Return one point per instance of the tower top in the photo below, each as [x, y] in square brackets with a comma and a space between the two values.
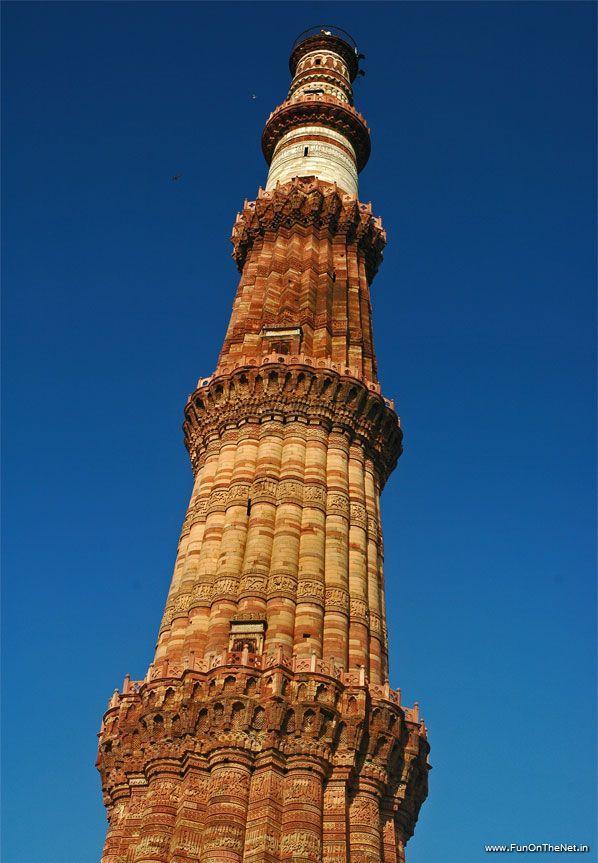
[326, 37]
[316, 131]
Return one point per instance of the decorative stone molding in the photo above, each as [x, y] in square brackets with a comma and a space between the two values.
[358, 515]
[310, 591]
[152, 730]
[309, 203]
[315, 496]
[329, 78]
[315, 395]
[225, 588]
[337, 503]
[280, 584]
[337, 599]
[302, 359]
[359, 610]
[253, 584]
[289, 491]
[329, 43]
[320, 110]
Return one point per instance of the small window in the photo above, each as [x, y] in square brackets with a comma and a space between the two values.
[239, 645]
[318, 61]
[305, 151]
[247, 634]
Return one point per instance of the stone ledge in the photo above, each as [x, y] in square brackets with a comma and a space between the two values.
[321, 110]
[309, 203]
[290, 708]
[293, 392]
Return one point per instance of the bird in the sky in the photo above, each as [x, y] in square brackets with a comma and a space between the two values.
[176, 176]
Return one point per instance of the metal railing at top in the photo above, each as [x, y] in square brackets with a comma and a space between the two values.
[327, 30]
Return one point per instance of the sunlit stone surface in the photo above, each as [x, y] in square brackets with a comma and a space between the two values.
[265, 729]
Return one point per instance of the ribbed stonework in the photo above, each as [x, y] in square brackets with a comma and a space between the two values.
[265, 729]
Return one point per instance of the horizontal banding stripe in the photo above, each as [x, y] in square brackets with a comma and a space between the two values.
[312, 138]
[306, 135]
[321, 74]
[322, 111]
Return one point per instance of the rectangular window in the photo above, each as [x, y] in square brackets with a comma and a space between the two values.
[306, 151]
[247, 632]
[282, 340]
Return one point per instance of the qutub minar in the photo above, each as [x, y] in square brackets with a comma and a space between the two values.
[265, 729]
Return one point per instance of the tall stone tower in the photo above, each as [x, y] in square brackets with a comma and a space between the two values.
[265, 730]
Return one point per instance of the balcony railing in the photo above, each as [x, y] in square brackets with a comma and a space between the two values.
[326, 30]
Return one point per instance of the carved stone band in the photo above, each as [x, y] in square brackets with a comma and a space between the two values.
[316, 395]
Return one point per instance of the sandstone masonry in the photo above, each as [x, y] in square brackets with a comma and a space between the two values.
[265, 729]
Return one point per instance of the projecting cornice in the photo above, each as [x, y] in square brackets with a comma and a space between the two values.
[305, 203]
[322, 110]
[232, 710]
[326, 41]
[318, 396]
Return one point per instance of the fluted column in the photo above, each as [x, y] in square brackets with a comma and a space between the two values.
[355, 336]
[401, 842]
[282, 579]
[133, 819]
[179, 641]
[262, 835]
[158, 818]
[224, 587]
[200, 585]
[309, 616]
[302, 813]
[339, 313]
[226, 816]
[358, 575]
[336, 615]
[116, 838]
[381, 591]
[262, 517]
[186, 531]
[367, 336]
[364, 821]
[232, 545]
[335, 845]
[391, 841]
[189, 545]
[200, 564]
[190, 817]
[373, 564]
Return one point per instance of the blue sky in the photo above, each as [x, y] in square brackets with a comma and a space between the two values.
[117, 289]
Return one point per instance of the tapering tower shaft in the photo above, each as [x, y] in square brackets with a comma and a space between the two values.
[265, 729]
[316, 132]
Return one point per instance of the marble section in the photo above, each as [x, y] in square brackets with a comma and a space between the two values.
[314, 151]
